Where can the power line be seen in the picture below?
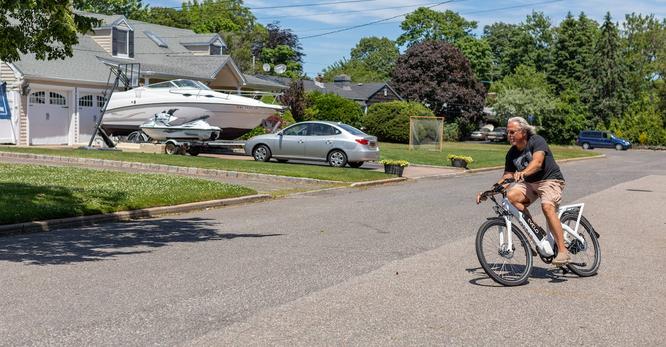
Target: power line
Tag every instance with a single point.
(371, 23)
(462, 13)
(309, 5)
(343, 12)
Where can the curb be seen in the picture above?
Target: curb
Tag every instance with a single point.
(377, 182)
(160, 168)
(48, 225)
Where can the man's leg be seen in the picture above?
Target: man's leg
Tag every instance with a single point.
(519, 199)
(550, 192)
(555, 227)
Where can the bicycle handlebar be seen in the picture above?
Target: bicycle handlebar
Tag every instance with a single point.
(497, 188)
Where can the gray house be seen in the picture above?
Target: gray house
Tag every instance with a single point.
(50, 99)
(365, 94)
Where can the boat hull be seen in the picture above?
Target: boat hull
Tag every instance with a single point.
(234, 120)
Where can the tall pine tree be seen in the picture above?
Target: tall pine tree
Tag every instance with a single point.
(607, 79)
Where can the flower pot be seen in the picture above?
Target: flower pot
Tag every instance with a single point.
(394, 170)
(459, 163)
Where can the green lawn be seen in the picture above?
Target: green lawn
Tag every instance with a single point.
(271, 168)
(484, 154)
(33, 192)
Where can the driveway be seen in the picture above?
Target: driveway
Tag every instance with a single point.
(387, 265)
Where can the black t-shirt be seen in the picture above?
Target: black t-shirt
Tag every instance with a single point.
(518, 160)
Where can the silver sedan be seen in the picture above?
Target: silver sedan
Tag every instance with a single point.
(336, 143)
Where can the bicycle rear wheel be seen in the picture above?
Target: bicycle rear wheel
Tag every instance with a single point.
(588, 253)
(509, 267)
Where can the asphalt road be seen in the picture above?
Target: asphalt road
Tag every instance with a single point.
(389, 265)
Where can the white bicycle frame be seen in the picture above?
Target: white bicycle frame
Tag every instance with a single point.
(515, 213)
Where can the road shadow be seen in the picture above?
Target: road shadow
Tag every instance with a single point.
(553, 275)
(105, 242)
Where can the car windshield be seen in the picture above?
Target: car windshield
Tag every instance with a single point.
(350, 129)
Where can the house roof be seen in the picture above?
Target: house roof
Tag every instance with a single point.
(261, 82)
(355, 91)
(175, 60)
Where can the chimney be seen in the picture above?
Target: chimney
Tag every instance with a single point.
(342, 81)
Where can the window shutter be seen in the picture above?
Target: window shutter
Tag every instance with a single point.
(131, 44)
(114, 41)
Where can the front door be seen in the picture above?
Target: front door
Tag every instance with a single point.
(49, 118)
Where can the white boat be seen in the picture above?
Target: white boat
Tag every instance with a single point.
(234, 114)
(165, 126)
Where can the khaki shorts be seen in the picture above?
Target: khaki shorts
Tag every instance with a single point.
(549, 191)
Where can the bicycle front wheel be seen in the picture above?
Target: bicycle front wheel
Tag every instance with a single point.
(509, 266)
(585, 256)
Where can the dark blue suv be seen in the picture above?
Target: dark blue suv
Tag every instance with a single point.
(593, 138)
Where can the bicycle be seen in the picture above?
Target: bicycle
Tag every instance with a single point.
(513, 265)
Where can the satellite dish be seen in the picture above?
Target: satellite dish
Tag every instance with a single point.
(266, 67)
(280, 68)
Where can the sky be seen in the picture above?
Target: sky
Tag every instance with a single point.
(315, 17)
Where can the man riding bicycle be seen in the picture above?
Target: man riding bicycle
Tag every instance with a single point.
(530, 162)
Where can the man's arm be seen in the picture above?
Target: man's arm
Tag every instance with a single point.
(534, 166)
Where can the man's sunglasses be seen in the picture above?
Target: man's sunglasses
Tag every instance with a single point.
(511, 132)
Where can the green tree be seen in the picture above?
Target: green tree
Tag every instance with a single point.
(215, 16)
(46, 28)
(425, 24)
(645, 51)
(573, 52)
(170, 17)
(294, 98)
(607, 76)
(133, 9)
(281, 46)
(389, 121)
(641, 123)
(332, 108)
(525, 93)
(569, 117)
(371, 60)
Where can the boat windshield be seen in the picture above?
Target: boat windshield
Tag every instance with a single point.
(189, 84)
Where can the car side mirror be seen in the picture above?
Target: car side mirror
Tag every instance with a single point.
(279, 133)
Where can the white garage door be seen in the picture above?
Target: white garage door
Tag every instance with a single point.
(90, 106)
(49, 118)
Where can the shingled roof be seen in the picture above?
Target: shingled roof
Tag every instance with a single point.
(172, 61)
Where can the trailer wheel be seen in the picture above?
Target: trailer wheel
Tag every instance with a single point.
(170, 148)
(194, 151)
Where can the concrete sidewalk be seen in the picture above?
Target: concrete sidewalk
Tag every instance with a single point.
(442, 297)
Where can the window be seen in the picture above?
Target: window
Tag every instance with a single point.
(122, 42)
(156, 39)
(319, 129)
(57, 99)
(215, 50)
(86, 101)
(298, 129)
(38, 98)
(100, 101)
(351, 129)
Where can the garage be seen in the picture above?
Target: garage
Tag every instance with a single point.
(90, 107)
(49, 117)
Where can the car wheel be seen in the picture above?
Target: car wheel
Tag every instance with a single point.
(586, 145)
(355, 164)
(618, 147)
(337, 158)
(261, 153)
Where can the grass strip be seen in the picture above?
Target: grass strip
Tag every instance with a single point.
(35, 192)
(270, 168)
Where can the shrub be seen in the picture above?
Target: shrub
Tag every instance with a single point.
(333, 108)
(640, 124)
(389, 121)
(468, 159)
(451, 132)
